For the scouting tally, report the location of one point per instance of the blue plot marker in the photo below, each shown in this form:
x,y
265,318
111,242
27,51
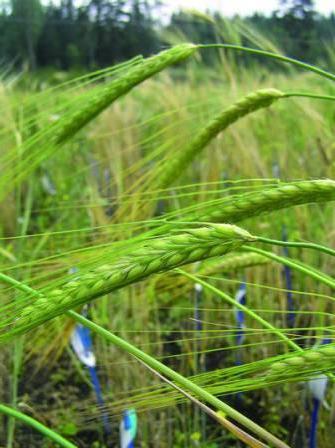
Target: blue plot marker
x,y
81,343
317,387
128,429
287,273
240,297
290,306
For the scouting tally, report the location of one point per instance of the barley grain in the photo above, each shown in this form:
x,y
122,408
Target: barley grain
x,y
250,103
247,205
152,256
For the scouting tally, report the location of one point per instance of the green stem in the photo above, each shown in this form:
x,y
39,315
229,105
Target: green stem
x,y
326,280
309,95
320,248
242,307
153,363
292,264
269,54
179,379
18,285
52,435
248,311
18,348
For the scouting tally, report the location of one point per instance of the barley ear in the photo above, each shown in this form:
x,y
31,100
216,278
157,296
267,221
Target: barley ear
x,y
152,256
250,103
42,144
305,363
248,205
232,262
70,125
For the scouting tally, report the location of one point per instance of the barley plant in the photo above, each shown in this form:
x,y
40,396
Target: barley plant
x,y
183,223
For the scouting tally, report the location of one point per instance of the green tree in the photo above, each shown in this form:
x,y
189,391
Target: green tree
x,y
140,29
300,9
298,19
28,17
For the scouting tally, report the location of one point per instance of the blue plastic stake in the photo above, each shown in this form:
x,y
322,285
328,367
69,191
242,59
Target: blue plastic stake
x,y
81,343
241,297
317,387
288,281
287,273
128,429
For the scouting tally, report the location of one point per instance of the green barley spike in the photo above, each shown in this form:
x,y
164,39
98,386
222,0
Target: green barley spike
x,y
248,205
232,262
69,126
42,144
305,363
250,103
153,256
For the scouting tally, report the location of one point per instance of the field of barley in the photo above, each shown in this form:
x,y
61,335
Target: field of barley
x,y
166,254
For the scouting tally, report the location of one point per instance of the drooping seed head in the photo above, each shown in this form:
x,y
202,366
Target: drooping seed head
x,y
149,257
308,361
247,205
246,105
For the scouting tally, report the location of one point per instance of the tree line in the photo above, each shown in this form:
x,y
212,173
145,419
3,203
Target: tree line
x,y
99,33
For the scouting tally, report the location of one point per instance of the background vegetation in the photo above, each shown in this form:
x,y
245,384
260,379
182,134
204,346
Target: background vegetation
x,y
98,33
78,204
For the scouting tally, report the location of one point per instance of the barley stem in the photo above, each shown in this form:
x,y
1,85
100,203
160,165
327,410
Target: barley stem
x,y
314,246
279,57
182,381
294,265
156,365
49,433
317,96
242,307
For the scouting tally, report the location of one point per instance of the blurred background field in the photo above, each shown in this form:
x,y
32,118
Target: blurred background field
x,y
62,208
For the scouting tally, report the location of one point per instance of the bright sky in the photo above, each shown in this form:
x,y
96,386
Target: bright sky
x,y
231,7
242,7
